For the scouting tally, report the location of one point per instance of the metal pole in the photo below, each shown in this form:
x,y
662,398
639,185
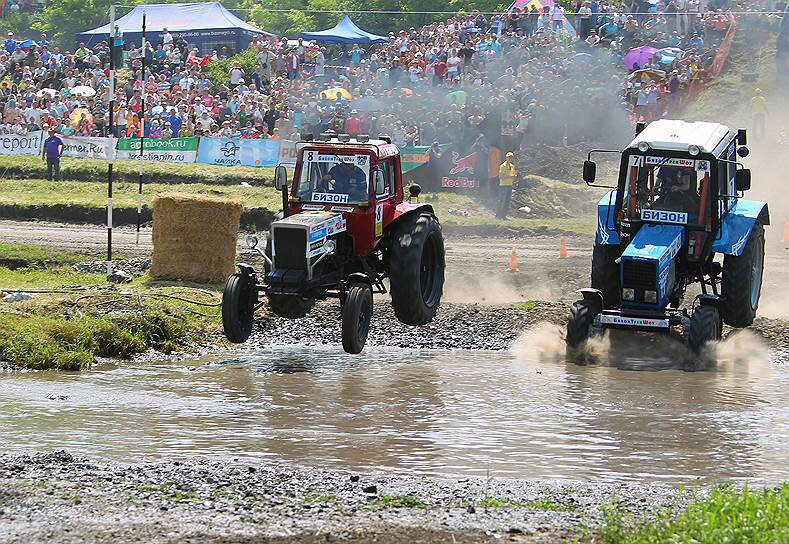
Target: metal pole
x,y
142,133
111,150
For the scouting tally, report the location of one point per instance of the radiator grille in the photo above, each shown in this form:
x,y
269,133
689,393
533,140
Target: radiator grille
x,y
639,275
290,248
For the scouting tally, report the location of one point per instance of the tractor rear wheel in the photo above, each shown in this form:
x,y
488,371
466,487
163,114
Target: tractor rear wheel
x,y
579,326
605,274
357,312
238,305
741,285
416,268
705,326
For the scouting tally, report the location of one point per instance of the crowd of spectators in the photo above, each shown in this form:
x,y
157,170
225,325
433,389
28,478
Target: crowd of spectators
x,y
527,76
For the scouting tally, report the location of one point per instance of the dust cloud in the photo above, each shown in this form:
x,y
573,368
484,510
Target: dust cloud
x,y
496,290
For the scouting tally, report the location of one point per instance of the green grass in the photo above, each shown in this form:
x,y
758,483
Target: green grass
x,y
527,305
725,516
36,256
28,166
400,501
50,331
318,498
40,192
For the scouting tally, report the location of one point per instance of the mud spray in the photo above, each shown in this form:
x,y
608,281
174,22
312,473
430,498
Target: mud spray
x,y
740,350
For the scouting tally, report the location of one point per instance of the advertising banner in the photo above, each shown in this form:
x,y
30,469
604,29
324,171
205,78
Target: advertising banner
x,y
94,148
238,152
159,150
28,144
287,153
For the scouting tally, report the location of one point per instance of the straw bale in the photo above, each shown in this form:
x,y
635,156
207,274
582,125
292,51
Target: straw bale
x,y
194,237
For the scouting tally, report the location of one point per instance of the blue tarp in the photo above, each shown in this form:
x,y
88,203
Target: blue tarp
x,y
206,26
345,31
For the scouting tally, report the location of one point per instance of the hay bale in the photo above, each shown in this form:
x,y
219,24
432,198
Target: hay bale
x,y
194,237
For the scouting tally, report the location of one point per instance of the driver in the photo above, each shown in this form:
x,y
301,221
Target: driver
x,y
349,179
677,190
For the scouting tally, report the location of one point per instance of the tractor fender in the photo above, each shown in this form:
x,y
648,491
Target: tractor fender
x,y
736,226
592,295
406,208
359,277
606,221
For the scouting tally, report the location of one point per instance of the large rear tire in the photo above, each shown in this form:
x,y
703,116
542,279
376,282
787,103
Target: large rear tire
x,y
705,327
605,274
238,306
357,312
741,285
416,268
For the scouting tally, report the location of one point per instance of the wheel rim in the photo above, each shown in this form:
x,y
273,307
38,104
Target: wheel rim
x,y
756,276
428,278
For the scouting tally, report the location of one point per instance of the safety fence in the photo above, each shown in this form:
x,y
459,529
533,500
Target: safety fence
x,y
217,151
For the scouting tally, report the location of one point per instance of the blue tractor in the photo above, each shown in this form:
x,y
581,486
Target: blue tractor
x,y
677,206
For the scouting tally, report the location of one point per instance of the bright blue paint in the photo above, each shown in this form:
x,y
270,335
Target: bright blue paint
x,y
737,225
606,223
660,244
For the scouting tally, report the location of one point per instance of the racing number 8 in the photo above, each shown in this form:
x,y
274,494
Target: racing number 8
x,y
309,156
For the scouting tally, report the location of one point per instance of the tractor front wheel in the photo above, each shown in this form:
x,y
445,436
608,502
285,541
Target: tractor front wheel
x,y
741,285
579,327
357,312
705,327
416,268
238,305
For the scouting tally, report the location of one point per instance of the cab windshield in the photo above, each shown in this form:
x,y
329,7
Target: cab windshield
x,y
674,185
334,177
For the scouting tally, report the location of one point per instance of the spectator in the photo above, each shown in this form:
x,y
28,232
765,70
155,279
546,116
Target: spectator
x,y
52,151
507,175
759,114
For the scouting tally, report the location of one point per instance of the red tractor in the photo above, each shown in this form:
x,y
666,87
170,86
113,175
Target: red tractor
x,y
346,228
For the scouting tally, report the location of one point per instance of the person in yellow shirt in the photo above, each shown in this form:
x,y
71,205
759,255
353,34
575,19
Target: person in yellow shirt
x,y
759,112
507,175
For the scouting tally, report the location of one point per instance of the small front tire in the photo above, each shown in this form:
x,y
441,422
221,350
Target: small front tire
x,y
705,327
238,307
357,312
579,326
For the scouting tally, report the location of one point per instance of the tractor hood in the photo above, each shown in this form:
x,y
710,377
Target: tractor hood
x,y
313,228
648,265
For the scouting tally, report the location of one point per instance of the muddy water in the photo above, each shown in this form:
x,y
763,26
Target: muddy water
x,y
505,414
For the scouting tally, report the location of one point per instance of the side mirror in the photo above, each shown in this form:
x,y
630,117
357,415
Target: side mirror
x,y
280,177
743,179
743,151
742,136
590,171
414,190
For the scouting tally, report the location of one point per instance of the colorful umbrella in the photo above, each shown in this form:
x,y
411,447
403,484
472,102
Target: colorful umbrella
x,y
667,55
639,57
47,92
331,94
77,115
456,97
27,43
650,73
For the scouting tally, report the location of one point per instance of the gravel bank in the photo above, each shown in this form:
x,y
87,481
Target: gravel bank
x,y
456,326
59,498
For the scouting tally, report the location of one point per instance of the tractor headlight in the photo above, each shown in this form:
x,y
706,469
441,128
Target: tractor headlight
x,y
650,296
694,150
628,294
329,247
251,241
643,147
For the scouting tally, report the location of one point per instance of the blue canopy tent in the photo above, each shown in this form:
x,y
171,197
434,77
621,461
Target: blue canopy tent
x,y
345,31
206,26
